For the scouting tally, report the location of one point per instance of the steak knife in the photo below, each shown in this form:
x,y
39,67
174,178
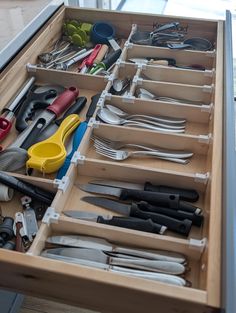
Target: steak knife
x,y
164,199
164,278
98,256
126,222
182,227
81,241
190,195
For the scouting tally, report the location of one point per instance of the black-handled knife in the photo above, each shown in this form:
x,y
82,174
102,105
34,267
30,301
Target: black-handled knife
x,y
27,189
182,227
190,195
125,222
162,199
197,219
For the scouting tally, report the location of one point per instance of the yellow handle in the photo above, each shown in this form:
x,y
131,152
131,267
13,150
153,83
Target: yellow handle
x,y
46,156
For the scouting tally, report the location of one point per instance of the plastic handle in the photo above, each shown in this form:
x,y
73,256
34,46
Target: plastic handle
x,y
74,109
111,59
133,223
63,101
197,220
78,136
91,58
92,106
180,227
190,195
5,124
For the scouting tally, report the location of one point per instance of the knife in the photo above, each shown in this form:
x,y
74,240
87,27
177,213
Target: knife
x,y
182,227
96,255
165,278
81,241
190,195
164,199
131,223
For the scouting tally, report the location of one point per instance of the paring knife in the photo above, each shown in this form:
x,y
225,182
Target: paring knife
x,y
163,199
164,278
182,227
190,195
81,241
125,222
98,256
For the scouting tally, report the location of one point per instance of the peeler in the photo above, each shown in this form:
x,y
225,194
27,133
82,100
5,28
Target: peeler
x,y
48,156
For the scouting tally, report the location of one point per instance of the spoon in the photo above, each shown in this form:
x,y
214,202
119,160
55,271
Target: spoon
x,y
111,118
162,119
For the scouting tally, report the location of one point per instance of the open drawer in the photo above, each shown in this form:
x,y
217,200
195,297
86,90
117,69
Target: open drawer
x,y
197,97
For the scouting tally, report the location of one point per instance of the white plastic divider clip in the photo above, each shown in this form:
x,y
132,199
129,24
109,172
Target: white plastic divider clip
x,y
198,245
77,158
207,108
211,54
128,45
209,73
31,68
109,78
62,184
93,123
120,63
202,178
208,88
137,80
128,98
50,216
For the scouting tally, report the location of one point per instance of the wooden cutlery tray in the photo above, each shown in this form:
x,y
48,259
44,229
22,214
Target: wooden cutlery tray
x,y
97,289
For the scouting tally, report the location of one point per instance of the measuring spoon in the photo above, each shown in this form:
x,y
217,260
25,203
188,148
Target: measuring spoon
x,y
48,156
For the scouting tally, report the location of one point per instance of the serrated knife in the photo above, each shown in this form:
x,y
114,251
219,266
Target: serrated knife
x,y
182,227
99,256
81,241
190,195
164,278
126,222
158,198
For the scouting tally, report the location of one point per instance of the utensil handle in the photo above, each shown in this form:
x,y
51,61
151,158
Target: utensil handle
x,y
92,106
111,59
190,195
5,124
180,227
134,223
197,220
101,54
63,101
76,108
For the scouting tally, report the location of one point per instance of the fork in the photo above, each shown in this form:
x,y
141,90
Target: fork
x,y
119,155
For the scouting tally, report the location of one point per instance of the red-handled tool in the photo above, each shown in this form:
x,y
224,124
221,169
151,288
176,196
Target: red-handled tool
x,y
88,62
6,121
59,105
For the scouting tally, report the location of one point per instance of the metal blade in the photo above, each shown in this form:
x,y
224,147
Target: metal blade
x,y
81,242
105,203
84,254
117,184
116,192
88,216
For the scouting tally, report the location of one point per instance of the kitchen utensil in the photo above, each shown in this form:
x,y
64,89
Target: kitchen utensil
x,y
88,62
119,86
190,195
157,198
169,279
101,55
96,255
104,33
48,156
120,155
6,119
78,136
38,98
59,47
81,241
30,218
111,118
182,227
60,104
79,56
161,119
28,189
126,222
195,43
106,63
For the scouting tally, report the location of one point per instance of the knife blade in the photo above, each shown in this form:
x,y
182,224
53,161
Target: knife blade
x,y
100,256
125,222
182,227
190,195
81,241
165,278
164,199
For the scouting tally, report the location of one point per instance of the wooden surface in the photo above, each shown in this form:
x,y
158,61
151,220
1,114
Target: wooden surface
x,y
36,305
